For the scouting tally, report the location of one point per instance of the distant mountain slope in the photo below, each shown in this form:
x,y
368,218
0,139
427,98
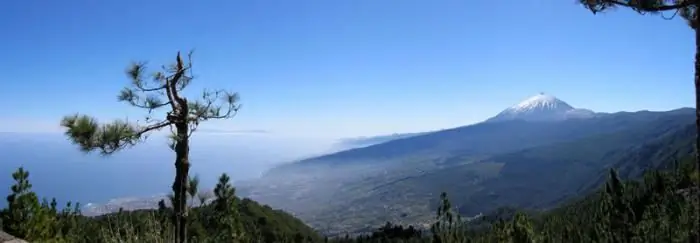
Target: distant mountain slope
x,y
544,176
368,141
537,177
481,139
482,167
660,153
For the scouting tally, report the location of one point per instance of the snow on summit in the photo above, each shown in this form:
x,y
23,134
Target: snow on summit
x,y
541,107
541,101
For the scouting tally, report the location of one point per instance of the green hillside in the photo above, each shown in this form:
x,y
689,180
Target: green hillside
x,y
657,209
29,218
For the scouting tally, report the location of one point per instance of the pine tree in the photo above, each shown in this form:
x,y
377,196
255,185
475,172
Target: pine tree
x,y
164,89
521,229
448,226
620,215
687,9
192,188
25,217
226,207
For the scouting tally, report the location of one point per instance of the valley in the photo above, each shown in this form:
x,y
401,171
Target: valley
x,y
520,163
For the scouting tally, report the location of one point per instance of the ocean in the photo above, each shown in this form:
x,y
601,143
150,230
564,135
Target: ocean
x,y
58,169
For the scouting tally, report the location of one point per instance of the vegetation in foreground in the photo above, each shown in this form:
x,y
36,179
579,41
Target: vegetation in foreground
x,y
659,208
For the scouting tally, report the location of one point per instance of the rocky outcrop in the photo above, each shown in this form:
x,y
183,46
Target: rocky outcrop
x,y
7,238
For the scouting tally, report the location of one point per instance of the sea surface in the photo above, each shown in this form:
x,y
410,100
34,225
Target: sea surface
x,y
58,169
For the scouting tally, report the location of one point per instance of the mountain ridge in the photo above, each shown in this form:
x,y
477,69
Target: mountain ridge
x,y
476,156
452,140
372,140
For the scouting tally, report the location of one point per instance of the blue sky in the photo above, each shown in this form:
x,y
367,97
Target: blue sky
x,y
342,68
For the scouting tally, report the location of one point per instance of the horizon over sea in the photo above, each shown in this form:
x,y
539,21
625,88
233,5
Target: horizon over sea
x,y
57,169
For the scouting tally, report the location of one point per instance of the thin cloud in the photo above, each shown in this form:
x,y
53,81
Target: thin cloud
x,y
223,131
19,125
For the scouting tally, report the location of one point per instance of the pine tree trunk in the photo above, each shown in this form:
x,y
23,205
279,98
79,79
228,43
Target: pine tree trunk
x,y
696,28
182,168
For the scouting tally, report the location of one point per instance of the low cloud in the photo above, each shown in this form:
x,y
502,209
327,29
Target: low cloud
x,y
224,131
19,125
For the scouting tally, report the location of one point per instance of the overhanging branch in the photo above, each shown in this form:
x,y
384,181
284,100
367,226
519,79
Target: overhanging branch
x,y
650,8
108,138
658,8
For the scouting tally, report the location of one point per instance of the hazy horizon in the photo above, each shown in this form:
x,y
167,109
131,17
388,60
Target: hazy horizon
x,y
145,169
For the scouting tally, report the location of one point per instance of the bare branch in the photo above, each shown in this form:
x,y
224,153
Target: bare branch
x,y
107,138
187,68
172,82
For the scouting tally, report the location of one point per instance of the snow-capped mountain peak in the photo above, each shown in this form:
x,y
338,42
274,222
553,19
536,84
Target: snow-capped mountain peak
x,y
541,101
541,107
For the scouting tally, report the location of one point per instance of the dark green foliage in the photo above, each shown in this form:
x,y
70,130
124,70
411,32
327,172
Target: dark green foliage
x,y
27,218
226,219
448,226
225,215
688,10
658,208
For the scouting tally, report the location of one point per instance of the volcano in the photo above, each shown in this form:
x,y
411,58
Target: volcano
x,y
541,107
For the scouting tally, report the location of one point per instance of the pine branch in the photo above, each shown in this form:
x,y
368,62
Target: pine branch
x,y
639,5
108,138
654,6
135,73
218,104
150,102
209,108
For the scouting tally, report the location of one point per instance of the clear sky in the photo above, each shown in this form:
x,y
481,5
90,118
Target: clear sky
x,y
344,67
